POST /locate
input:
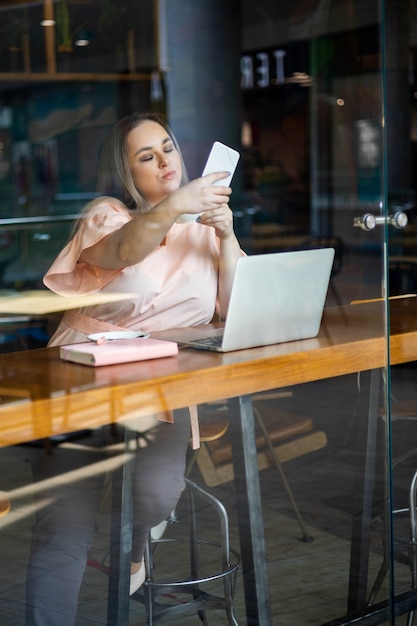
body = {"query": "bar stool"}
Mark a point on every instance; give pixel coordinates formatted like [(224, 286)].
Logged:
[(198, 576), (159, 595), (405, 545), (410, 513)]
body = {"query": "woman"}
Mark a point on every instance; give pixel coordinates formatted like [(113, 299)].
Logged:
[(133, 240)]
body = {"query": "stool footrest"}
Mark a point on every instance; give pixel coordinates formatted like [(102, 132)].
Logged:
[(202, 601)]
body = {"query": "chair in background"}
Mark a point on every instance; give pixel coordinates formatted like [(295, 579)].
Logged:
[(292, 436)]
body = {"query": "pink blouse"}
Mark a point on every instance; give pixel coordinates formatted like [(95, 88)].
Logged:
[(176, 284)]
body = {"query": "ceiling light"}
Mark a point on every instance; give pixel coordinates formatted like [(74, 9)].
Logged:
[(300, 78), (83, 39)]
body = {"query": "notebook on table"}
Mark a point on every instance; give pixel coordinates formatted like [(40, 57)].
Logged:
[(110, 352), (275, 298)]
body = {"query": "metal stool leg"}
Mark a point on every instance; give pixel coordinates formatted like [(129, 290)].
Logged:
[(413, 540), (224, 524), (201, 601)]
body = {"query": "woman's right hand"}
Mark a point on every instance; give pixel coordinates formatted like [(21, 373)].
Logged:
[(200, 195)]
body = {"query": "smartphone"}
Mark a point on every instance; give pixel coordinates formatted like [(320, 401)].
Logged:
[(221, 158)]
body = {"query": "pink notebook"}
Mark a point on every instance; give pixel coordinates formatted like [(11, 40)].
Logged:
[(118, 351)]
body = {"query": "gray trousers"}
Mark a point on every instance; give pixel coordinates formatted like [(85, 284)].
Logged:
[(65, 521)]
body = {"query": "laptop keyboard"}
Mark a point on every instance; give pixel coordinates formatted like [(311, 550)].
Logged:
[(209, 341)]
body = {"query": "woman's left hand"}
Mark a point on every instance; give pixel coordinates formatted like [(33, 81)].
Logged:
[(220, 219)]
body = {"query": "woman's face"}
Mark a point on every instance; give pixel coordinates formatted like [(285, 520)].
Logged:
[(154, 161)]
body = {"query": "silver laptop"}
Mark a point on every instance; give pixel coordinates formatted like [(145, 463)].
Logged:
[(275, 298)]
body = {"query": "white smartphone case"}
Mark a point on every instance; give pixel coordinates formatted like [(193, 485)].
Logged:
[(221, 158)]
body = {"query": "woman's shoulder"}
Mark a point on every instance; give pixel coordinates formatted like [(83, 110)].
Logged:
[(106, 204), (99, 217)]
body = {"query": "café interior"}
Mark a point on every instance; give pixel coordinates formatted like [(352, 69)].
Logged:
[(299, 506)]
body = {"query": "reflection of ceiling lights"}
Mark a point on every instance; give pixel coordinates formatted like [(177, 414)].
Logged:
[(300, 78), (247, 139)]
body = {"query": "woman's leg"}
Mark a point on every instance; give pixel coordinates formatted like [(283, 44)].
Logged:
[(61, 536), (64, 526), (159, 478)]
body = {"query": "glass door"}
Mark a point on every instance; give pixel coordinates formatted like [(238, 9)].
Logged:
[(350, 211), (399, 92), (328, 139), (363, 198), (320, 98)]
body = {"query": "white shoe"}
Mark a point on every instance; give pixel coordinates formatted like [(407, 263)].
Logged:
[(158, 531), (137, 579)]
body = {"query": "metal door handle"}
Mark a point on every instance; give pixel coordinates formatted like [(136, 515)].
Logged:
[(368, 221)]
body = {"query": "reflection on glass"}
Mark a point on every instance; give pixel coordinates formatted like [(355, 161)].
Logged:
[(320, 97), (71, 490)]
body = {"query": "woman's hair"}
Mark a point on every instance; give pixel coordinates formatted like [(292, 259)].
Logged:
[(114, 177)]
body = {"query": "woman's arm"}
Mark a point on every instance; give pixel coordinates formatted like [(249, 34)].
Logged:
[(222, 221), (132, 243), (230, 252)]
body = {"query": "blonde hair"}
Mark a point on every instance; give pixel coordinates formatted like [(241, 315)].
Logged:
[(114, 177)]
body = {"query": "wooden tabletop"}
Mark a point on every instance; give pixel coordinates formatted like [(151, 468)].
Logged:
[(41, 395), (43, 301)]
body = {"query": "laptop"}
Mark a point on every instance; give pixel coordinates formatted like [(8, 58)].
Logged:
[(275, 298)]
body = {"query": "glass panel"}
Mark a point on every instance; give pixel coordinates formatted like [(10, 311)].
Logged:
[(401, 186), (316, 98)]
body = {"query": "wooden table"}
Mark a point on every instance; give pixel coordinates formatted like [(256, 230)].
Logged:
[(43, 301), (43, 396)]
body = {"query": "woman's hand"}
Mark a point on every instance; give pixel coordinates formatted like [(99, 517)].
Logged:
[(199, 195), (220, 219)]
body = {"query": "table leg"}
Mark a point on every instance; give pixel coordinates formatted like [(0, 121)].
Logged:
[(121, 538), (249, 507)]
